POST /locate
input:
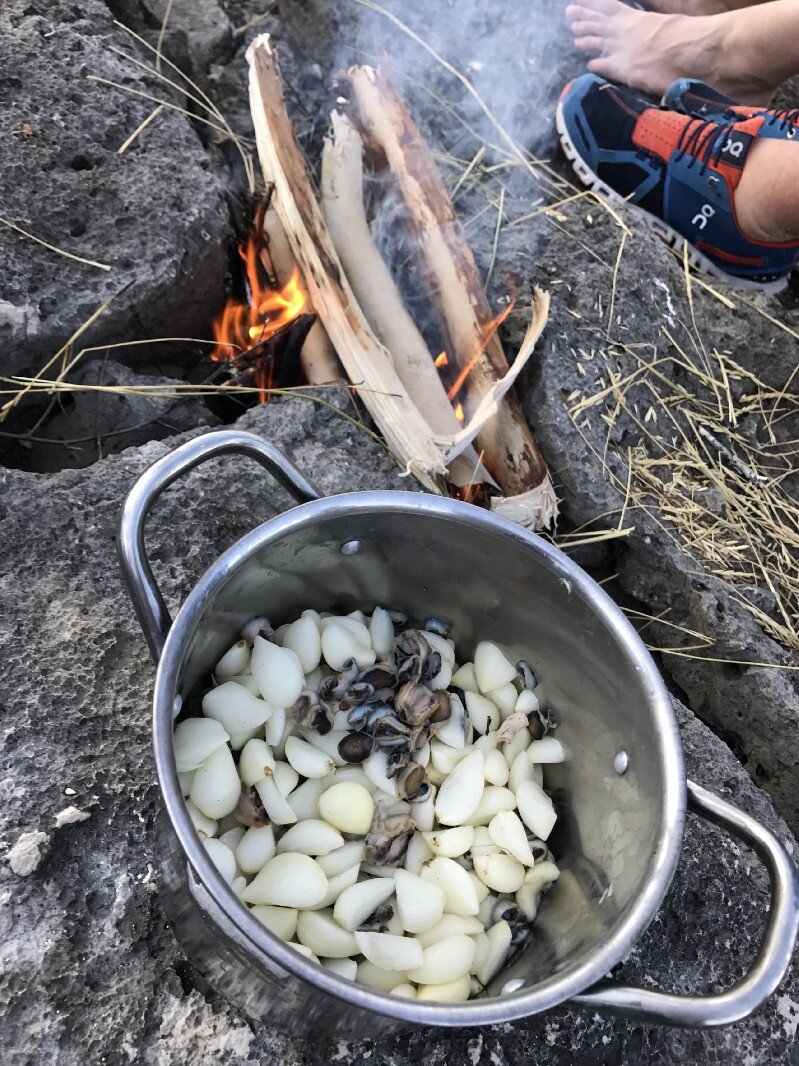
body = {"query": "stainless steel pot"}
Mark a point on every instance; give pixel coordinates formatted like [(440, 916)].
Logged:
[(622, 795)]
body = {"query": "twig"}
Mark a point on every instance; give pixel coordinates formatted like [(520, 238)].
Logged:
[(53, 247), (139, 129)]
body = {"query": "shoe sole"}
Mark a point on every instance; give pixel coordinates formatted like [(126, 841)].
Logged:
[(668, 235)]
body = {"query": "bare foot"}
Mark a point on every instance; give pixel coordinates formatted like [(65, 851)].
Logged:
[(649, 50)]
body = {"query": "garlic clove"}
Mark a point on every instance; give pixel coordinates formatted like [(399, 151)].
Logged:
[(255, 849), (480, 888), (311, 837), (275, 728), (457, 729), (514, 747), (491, 667), (308, 760), (418, 854), (450, 842), (375, 768), (302, 637), (305, 952), (424, 812), (215, 788), (235, 708), (278, 673), (206, 827), (445, 961), (496, 769), (347, 806), (282, 921), (337, 884), (498, 939), (536, 809), (483, 714), (494, 799), (508, 833), (340, 643), (194, 740), (451, 992), (461, 792), (355, 904), (527, 702), (381, 631), (346, 968), (232, 837), (288, 880), (325, 937), (450, 925), (445, 758), (286, 778), (275, 803), (547, 750), (375, 977), (255, 761), (185, 780), (459, 891), (465, 678), (342, 858), (390, 952), (501, 872), (352, 624), (521, 770), (328, 743), (404, 991), (222, 858), (420, 904), (504, 698), (236, 660)]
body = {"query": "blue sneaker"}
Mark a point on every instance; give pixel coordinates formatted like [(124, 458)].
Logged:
[(693, 97), (681, 172)]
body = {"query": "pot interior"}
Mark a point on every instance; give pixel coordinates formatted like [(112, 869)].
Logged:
[(615, 836)]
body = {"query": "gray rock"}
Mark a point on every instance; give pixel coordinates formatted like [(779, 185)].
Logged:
[(155, 214), (91, 972)]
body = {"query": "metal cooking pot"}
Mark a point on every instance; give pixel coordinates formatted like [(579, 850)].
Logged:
[(621, 797)]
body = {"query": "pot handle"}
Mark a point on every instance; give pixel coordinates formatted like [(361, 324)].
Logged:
[(142, 587), (772, 960)]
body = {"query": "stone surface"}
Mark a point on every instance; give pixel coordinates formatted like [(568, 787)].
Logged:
[(91, 972), (155, 214)]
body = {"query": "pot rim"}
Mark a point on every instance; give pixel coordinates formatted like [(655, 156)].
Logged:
[(268, 949)]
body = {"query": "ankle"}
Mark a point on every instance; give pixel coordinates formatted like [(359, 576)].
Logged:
[(765, 204)]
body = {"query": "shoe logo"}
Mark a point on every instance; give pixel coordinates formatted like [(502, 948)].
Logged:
[(735, 148), (706, 212)]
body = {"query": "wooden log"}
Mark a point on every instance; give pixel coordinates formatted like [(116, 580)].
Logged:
[(364, 358), (457, 295), (377, 293)]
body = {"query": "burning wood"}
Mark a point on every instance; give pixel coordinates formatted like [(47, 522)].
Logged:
[(446, 262), (358, 303)]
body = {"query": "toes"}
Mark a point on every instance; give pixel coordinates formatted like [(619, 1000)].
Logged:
[(605, 7), (603, 67), (590, 45), (588, 28), (580, 13)]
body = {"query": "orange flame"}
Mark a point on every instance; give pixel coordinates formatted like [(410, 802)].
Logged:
[(487, 333), (459, 413), (441, 359), (242, 326)]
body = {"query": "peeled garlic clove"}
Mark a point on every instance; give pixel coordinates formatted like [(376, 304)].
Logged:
[(275, 803), (308, 760), (381, 630), (235, 708), (500, 872), (527, 702), (445, 758), (535, 808), (491, 667), (255, 761), (495, 798), (529, 894), (452, 992), (338, 884), (328, 743), (450, 925), (194, 740), (508, 833), (420, 904), (288, 880), (417, 854), (231, 838), (355, 625), (483, 842), (346, 968), (235, 661), (186, 779), (521, 770), (483, 714), (305, 952), (311, 837), (424, 812), (305, 799), (513, 748), (445, 961), (278, 673), (276, 727), (498, 940), (216, 788), (347, 806), (443, 678), (376, 769), (456, 730), (282, 921), (450, 842), (390, 952), (547, 750), (247, 681), (302, 637), (205, 826), (318, 931), (480, 888), (460, 794), (340, 643), (376, 978), (504, 699), (465, 678), (457, 886), (486, 912), (355, 904), (496, 769), (222, 858), (255, 849), (404, 991), (342, 858)]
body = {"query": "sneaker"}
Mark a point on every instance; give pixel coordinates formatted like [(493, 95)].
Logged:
[(693, 97), (680, 172)]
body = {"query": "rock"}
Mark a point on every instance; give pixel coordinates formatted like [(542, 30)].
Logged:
[(155, 214), (101, 423), (111, 984)]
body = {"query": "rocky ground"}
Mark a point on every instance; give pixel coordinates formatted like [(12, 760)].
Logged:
[(90, 970)]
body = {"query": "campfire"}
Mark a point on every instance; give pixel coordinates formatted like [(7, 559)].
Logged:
[(320, 301)]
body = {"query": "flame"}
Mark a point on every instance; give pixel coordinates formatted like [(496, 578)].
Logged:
[(243, 326), (441, 359), (459, 413), (487, 333)]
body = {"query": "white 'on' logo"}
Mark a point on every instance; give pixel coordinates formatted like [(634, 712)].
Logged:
[(705, 213), (733, 148)]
